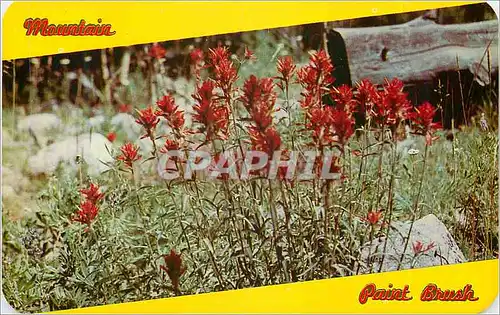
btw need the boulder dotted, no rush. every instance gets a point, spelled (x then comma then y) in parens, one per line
(430, 244)
(91, 147)
(38, 125)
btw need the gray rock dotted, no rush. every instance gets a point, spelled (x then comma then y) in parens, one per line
(438, 247)
(39, 123)
(92, 148)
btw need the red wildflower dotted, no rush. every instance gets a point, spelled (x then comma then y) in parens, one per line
(170, 111)
(216, 55)
(225, 72)
(147, 119)
(111, 136)
(174, 268)
(225, 76)
(422, 118)
(367, 95)
(392, 104)
(196, 56)
(129, 154)
(261, 116)
(170, 145)
(92, 193)
(213, 117)
(309, 101)
(267, 141)
(259, 98)
(373, 217)
(257, 91)
(86, 213)
(418, 247)
(249, 55)
(316, 77)
(343, 98)
(124, 108)
(157, 51)
(286, 68)
(319, 122)
(342, 125)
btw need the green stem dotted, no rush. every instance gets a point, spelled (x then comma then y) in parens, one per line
(415, 207)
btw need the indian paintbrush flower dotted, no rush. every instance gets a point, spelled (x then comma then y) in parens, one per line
(422, 119)
(148, 120)
(86, 213)
(111, 136)
(174, 268)
(157, 51)
(373, 217)
(92, 193)
(286, 69)
(419, 248)
(130, 154)
(213, 116)
(171, 112)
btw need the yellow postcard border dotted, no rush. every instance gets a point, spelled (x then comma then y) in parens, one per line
(162, 21)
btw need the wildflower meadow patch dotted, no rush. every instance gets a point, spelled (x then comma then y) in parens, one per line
(245, 160)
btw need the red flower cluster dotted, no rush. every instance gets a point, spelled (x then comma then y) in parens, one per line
(316, 77)
(86, 213)
(328, 124)
(213, 116)
(89, 209)
(157, 51)
(373, 217)
(257, 91)
(343, 99)
(259, 99)
(92, 193)
(225, 72)
(148, 119)
(130, 154)
(111, 136)
(249, 55)
(124, 108)
(174, 268)
(391, 105)
(267, 141)
(419, 248)
(170, 111)
(170, 145)
(197, 57)
(286, 69)
(367, 94)
(422, 118)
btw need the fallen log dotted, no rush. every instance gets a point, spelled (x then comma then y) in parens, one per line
(420, 49)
